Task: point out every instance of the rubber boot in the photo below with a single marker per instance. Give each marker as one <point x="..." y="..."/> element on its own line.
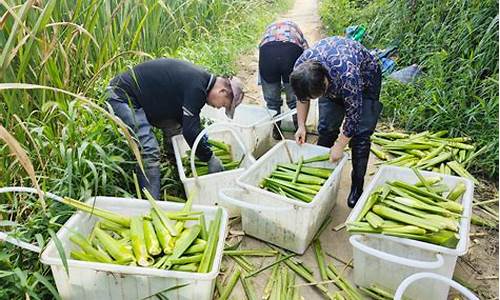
<point x="152" y="182"/>
<point x="276" y="133"/>
<point x="360" y="149"/>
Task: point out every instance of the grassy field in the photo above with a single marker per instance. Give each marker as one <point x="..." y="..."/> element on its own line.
<point x="70" y="49"/>
<point x="456" y="42"/>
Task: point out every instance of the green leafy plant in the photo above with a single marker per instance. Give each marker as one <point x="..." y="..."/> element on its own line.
<point x="456" y="43"/>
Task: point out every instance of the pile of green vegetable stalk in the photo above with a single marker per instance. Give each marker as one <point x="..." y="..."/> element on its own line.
<point x="427" y="211"/>
<point x="297" y="180"/>
<point x="427" y="151"/>
<point x="378" y="293"/>
<point x="330" y="273"/>
<point x="219" y="149"/>
<point x="160" y="239"/>
<point x="281" y="284"/>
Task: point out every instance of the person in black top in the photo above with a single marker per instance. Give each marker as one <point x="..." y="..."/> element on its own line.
<point x="169" y="94"/>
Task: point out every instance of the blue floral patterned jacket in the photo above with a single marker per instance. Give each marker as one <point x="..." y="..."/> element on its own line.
<point x="351" y="69"/>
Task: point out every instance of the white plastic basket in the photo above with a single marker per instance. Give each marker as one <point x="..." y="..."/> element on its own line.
<point x="91" y="280"/>
<point x="206" y="187"/>
<point x="312" y="118"/>
<point x="387" y="260"/>
<point x="288" y="223"/>
<point x="426" y="276"/>
<point x="253" y="123"/>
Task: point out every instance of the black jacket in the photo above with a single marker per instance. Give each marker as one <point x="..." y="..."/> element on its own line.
<point x="169" y="89"/>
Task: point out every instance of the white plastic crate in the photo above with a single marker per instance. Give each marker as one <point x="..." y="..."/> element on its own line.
<point x="91" y="280"/>
<point x="419" y="276"/>
<point x="387" y="260"/>
<point x="206" y="187"/>
<point x="288" y="223"/>
<point x="312" y="118"/>
<point x="253" y="123"/>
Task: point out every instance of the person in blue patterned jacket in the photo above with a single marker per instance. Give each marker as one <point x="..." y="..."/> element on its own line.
<point x="283" y="42"/>
<point x="347" y="79"/>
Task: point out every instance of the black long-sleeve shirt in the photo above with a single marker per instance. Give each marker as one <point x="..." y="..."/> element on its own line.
<point x="170" y="89"/>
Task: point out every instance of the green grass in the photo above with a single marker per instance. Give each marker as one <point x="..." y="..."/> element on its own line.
<point x="457" y="44"/>
<point x="75" y="150"/>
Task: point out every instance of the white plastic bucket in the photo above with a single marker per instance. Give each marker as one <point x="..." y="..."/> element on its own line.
<point x="253" y="123"/>
<point x="419" y="276"/>
<point x="387" y="260"/>
<point x="311" y="122"/>
<point x="91" y="280"/>
<point x="288" y="223"/>
<point x="206" y="187"/>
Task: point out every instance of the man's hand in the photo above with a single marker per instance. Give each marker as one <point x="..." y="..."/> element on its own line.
<point x="215" y="165"/>
<point x="300" y="135"/>
<point x="302" y="110"/>
<point x="336" y="152"/>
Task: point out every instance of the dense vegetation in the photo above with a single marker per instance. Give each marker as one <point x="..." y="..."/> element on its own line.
<point x="76" y="150"/>
<point x="456" y="42"/>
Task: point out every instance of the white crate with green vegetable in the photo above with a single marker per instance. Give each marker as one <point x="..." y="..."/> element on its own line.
<point x="133" y="249"/>
<point x="409" y="221"/>
<point x="204" y="187"/>
<point x="253" y="123"/>
<point x="282" y="206"/>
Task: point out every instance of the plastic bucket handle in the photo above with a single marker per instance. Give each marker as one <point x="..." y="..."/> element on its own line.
<point x="5" y="236"/>
<point x="355" y="242"/>
<point x="203" y="132"/>
<point x="244" y="204"/>
<point x="278" y="117"/>
<point x="411" y="279"/>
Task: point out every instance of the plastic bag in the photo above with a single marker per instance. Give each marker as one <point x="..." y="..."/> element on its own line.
<point x="408" y="74"/>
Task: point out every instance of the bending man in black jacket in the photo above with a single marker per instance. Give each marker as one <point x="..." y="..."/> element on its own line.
<point x="169" y="94"/>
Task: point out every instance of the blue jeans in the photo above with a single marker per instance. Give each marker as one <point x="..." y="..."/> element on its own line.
<point x="272" y="95"/>
<point x="135" y="119"/>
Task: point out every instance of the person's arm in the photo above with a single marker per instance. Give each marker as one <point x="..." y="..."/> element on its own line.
<point x="302" y="104"/>
<point x="302" y="111"/>
<point x="190" y="129"/>
<point x="191" y="125"/>
<point x="338" y="147"/>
